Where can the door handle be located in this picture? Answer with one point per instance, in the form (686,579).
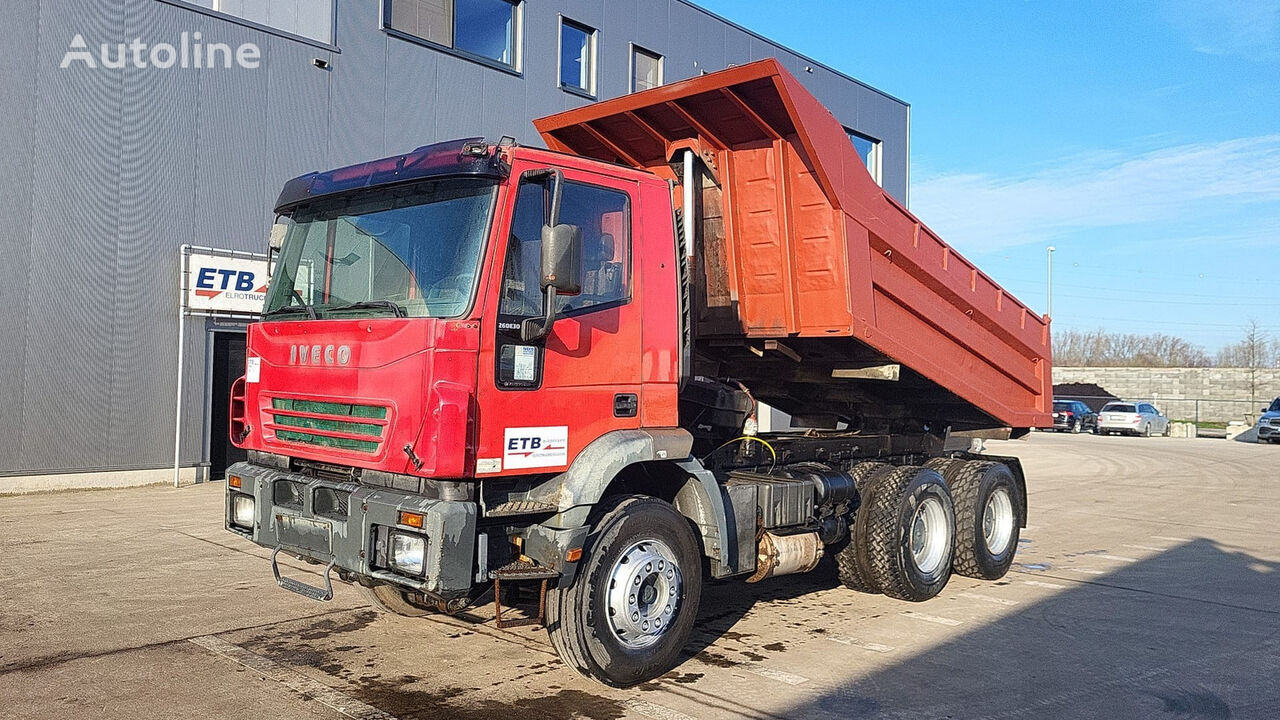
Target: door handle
(625,405)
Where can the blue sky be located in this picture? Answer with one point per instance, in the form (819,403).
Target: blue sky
(1142,140)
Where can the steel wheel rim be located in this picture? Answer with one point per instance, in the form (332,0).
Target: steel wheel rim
(997,521)
(929,536)
(644,591)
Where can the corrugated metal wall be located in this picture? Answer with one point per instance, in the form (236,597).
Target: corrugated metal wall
(105,173)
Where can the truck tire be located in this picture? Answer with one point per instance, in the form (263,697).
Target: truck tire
(391,600)
(629,611)
(987,502)
(851,557)
(909,526)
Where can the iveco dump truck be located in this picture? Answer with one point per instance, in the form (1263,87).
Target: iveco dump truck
(484,366)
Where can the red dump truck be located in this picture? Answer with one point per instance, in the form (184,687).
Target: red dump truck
(488,366)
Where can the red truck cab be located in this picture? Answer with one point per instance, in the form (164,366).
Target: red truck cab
(411,339)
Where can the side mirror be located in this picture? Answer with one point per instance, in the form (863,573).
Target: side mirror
(561,263)
(561,274)
(562,258)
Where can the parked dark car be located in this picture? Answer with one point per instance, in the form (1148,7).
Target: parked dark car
(1269,423)
(1074,416)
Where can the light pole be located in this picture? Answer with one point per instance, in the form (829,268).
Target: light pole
(1049,266)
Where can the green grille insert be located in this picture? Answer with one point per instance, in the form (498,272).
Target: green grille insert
(343,443)
(334,423)
(307,423)
(373,412)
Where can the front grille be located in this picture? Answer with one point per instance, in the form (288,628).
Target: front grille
(1275,422)
(346,426)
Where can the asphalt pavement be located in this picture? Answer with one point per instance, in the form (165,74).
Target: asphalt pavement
(1147,586)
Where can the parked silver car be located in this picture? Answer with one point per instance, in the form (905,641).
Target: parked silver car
(1269,423)
(1129,418)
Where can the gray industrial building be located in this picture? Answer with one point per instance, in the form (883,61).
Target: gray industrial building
(129,128)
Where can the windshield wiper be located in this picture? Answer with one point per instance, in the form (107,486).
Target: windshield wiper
(310,310)
(372,305)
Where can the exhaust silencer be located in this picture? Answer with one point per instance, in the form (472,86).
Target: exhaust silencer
(786,554)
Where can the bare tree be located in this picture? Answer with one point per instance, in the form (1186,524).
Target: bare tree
(1255,351)
(1099,348)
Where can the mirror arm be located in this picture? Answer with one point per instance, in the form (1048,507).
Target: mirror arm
(537,328)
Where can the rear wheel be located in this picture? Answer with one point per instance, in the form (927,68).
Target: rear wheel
(1077,427)
(1146,430)
(909,527)
(851,558)
(630,608)
(987,502)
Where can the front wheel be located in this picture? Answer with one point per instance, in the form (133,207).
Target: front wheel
(630,608)
(392,600)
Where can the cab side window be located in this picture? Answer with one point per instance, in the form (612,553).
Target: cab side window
(604,216)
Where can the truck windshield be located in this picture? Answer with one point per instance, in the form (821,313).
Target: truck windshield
(407,251)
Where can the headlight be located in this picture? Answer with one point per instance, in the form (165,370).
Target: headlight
(242,511)
(408,553)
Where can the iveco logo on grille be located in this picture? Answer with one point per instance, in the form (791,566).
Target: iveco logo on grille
(319,354)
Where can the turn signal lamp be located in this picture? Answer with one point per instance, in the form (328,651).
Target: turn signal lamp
(411,519)
(234,481)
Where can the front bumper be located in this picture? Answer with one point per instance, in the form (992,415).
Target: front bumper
(1267,431)
(347,524)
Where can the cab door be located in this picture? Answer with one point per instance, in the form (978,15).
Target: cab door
(542,401)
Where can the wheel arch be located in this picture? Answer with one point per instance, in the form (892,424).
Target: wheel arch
(652,462)
(1015,467)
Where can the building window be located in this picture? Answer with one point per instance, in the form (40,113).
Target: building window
(869,150)
(311,19)
(646,69)
(577,57)
(486,29)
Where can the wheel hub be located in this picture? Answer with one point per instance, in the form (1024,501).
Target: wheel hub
(643,593)
(997,521)
(929,536)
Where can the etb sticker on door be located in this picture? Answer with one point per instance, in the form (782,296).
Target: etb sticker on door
(535,447)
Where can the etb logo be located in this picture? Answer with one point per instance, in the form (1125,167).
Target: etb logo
(213,281)
(524,444)
(533,447)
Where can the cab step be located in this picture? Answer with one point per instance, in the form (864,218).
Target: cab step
(520,507)
(520,571)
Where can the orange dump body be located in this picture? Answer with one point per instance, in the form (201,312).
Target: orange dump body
(808,270)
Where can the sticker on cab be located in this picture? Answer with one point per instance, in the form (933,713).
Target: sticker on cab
(526,360)
(535,447)
(252,369)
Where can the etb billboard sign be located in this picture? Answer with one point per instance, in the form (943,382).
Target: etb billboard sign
(225,284)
